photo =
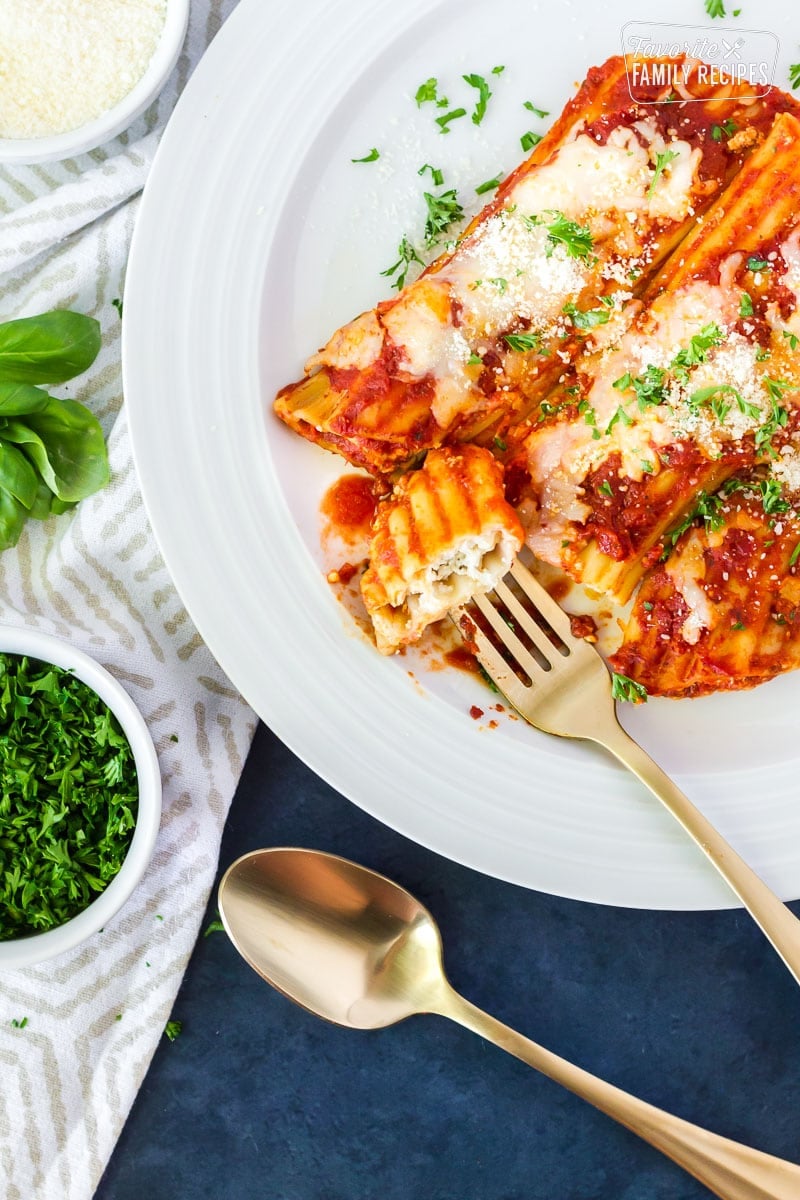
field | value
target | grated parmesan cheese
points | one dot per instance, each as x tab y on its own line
65	62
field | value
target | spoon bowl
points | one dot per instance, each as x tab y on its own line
351	946
343	942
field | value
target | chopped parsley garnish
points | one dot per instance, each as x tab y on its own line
68	796
706	507
474	360
697	351
444	210
794	75
172	1029
754	263
715	8
428	93
792	339
775	387
624	688
714	391
605	488
529	140
498	70
484	96
501	445
523	341
589	418
117	304
454	115
213	927
794	555
373	156
539	112
662	161
489	185
18	1023
436	175
407	256
576	239
772	496
649	387
500	283
586	319
726	129
745	305
619	415
778	418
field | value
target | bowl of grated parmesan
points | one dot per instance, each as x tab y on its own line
74	75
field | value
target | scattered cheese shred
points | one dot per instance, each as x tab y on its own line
65	62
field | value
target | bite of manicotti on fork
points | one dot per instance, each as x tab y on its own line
445	533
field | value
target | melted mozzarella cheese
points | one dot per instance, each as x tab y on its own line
357	344
687	571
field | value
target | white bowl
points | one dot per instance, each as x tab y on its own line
25	151
38	947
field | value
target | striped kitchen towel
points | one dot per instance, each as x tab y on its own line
77	1034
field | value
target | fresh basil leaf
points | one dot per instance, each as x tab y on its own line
17	399
12	518
50	348
65	443
17	476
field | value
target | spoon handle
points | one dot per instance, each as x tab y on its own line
729	1169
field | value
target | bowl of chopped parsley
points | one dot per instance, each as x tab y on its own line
80	796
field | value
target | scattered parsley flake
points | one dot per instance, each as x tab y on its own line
428	93
529	140
498	70
444	210
745	305
715	8
484	96
501	445
726	129
754	263
407	256
794	555
373	156
173	1029
792	339
454	115
588	319
576	239
523	341
436	175
605	488
662	161
626	689
214	927
19	1024
794	75
489	185
117	304
539	112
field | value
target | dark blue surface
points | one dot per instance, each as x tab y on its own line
258	1099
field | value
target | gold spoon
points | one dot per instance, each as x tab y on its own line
351	946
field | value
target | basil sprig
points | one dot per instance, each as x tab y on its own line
52	451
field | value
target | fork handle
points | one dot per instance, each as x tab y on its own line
779	924
729	1169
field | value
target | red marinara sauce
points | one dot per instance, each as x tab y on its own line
349	505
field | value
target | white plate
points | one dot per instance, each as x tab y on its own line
257	237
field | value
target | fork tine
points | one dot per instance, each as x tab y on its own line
534	631
543	601
520	652
493	662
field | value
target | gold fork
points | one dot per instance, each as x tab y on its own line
560	685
